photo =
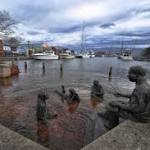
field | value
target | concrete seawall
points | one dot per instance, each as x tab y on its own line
10	140
14	58
127	136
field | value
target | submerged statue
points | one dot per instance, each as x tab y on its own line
138	107
97	90
63	93
71	97
42	112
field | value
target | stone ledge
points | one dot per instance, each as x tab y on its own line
10	140
127	136
5	71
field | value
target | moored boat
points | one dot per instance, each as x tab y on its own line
45	56
66	55
126	56
91	54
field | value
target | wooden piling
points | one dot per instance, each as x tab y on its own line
110	74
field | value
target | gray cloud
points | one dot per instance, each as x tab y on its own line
33	32
107	25
53	17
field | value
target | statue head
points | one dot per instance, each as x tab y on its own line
42	96
72	91
135	73
95	82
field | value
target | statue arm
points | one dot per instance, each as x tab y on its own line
62	95
95	92
135	105
138	105
59	93
122	95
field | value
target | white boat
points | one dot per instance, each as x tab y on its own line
66	55
125	53
79	55
89	54
82	55
86	55
92	54
45	56
125	56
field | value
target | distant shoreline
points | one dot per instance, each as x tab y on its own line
29	58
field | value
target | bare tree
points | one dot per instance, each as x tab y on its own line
13	43
6	22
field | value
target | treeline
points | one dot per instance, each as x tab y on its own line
7	23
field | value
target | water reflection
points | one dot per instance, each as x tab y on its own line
25	67
61	71
95	102
61	75
72	107
43	68
5	81
43	133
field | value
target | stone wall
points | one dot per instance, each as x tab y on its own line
127	136
10	140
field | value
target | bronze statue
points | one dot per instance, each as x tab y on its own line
42	113
138	106
63	93
97	91
72	96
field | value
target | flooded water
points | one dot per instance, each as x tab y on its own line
76	124
75	72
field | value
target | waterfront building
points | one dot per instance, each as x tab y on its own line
1	48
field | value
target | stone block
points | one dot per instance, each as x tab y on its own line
5	71
127	136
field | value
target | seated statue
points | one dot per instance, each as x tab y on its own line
138	107
97	90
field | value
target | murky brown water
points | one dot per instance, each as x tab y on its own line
73	128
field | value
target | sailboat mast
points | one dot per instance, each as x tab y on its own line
122	47
82	37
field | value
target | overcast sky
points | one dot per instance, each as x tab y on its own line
59	22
